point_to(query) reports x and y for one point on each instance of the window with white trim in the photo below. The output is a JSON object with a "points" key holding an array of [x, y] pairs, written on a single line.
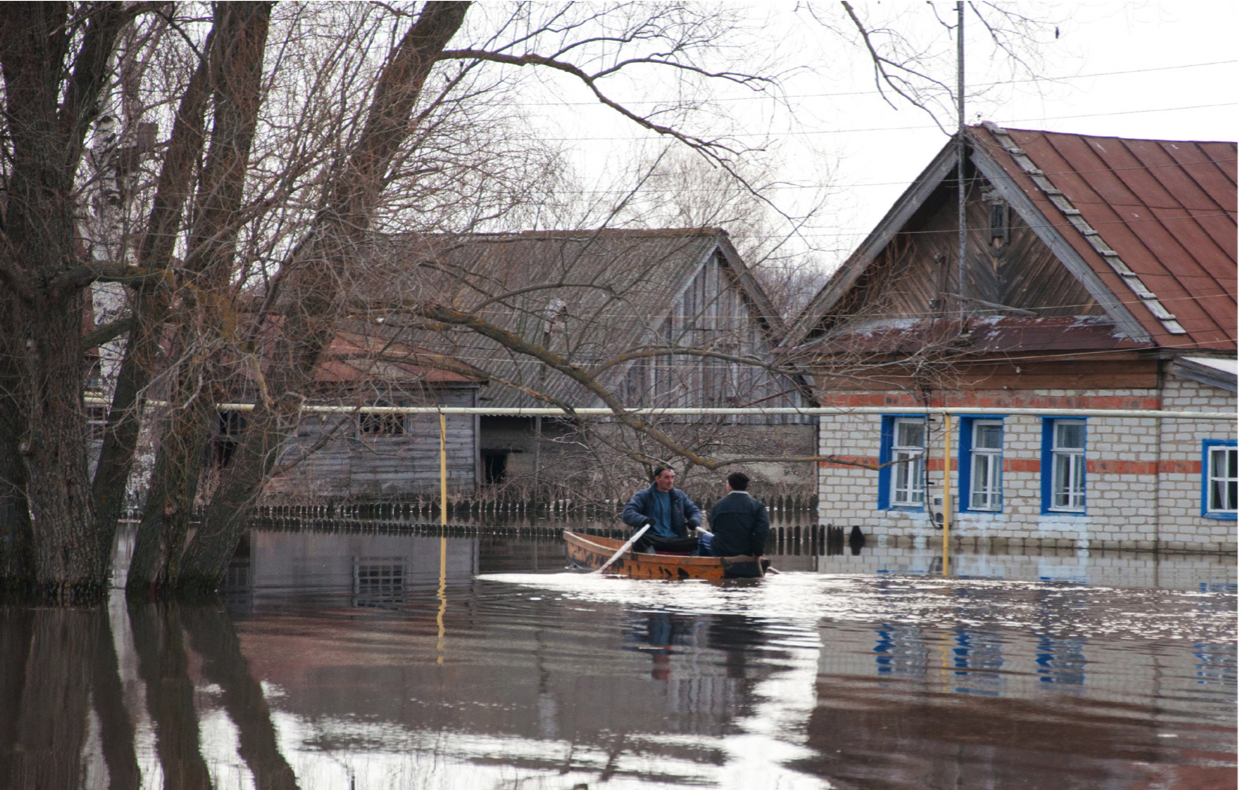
{"points": [[1221, 479], [908, 463], [985, 471], [1067, 466]]}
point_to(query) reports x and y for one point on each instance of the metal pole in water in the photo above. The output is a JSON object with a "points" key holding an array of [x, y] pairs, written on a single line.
{"points": [[442, 469], [442, 532], [946, 500]]}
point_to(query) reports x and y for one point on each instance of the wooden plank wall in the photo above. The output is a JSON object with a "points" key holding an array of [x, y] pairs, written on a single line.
{"points": [[367, 467], [711, 313], [919, 266]]}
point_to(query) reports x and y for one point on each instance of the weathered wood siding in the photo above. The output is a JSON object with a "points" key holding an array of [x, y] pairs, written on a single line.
{"points": [[712, 314], [354, 465], [911, 276]]}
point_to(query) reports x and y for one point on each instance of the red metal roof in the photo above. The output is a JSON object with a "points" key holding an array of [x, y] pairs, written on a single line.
{"points": [[1168, 208]]}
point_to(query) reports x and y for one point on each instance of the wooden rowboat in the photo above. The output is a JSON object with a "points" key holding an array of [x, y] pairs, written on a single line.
{"points": [[592, 551]]}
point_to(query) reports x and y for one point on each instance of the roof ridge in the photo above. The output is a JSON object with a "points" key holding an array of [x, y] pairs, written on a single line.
{"points": [[987, 124]]}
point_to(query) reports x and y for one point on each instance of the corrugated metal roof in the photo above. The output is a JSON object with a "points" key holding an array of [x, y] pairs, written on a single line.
{"points": [[1167, 210], [584, 295]]}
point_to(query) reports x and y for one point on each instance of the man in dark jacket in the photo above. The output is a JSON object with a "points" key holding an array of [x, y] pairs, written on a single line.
{"points": [[739, 521], [669, 511]]}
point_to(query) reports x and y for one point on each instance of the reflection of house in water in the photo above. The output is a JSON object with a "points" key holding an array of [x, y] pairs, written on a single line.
{"points": [[1098, 568], [904, 704], [509, 674], [375, 569]]}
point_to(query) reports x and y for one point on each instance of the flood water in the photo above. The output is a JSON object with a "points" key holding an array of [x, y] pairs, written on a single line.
{"points": [[362, 660]]}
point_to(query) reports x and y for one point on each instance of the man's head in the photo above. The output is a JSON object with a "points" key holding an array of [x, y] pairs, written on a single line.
{"points": [[738, 481], [664, 478]]}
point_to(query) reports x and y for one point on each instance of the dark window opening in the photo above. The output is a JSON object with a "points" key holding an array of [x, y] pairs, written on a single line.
{"points": [[999, 230], [229, 427], [378, 425], [494, 466]]}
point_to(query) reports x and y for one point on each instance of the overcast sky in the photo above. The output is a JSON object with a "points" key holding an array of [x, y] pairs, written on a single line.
{"points": [[1164, 70]]}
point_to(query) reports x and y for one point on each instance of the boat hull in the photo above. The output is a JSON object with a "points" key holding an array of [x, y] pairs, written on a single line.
{"points": [[591, 552]]}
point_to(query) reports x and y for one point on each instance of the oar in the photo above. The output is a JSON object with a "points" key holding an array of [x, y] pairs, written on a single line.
{"points": [[623, 549]]}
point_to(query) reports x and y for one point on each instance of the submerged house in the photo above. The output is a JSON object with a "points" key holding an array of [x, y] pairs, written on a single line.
{"points": [[1100, 273], [347, 454], [602, 318]]}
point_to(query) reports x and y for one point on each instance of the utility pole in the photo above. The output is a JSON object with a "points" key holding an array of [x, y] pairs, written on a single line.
{"points": [[963, 154]]}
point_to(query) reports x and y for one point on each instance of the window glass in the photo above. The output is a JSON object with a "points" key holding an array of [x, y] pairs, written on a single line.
{"points": [[1067, 487], [986, 471], [1069, 435], [1223, 479], [908, 456], [910, 434]]}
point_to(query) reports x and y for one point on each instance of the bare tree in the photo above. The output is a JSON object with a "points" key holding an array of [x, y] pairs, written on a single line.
{"points": [[297, 133]]}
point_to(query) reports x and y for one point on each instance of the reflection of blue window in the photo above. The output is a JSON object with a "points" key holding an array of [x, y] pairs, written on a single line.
{"points": [[1219, 479], [1216, 662], [901, 479], [980, 464], [901, 651], [1060, 661], [977, 658]]}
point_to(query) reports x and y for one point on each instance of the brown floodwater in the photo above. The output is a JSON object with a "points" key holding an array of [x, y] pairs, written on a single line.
{"points": [[340, 659]]}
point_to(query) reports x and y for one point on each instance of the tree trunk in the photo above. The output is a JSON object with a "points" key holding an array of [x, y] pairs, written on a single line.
{"points": [[169, 503], [314, 284], [69, 564], [16, 532], [43, 323], [236, 74], [150, 305]]}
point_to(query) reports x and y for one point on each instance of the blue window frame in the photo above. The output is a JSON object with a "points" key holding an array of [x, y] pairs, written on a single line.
{"points": [[980, 464], [1219, 479], [1064, 446], [901, 479]]}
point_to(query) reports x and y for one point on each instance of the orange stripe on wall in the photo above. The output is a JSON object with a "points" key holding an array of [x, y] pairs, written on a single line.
{"points": [[1179, 467], [1107, 467], [854, 459], [1021, 465], [994, 401], [1121, 467]]}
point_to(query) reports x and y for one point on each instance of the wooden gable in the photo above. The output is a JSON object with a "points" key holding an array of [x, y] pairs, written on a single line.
{"points": [[915, 276]]}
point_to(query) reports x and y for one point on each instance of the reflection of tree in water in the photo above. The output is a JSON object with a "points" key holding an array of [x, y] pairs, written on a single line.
{"points": [[59, 662], [44, 690], [164, 669], [213, 637]]}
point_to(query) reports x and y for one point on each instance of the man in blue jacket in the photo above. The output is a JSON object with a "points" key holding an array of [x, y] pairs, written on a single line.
{"points": [[739, 521], [669, 511]]}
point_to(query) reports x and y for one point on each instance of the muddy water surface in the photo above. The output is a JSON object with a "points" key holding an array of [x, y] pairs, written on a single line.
{"points": [[340, 660]]}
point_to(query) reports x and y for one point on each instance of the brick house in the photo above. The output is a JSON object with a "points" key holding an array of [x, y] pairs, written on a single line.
{"points": [[1100, 273]]}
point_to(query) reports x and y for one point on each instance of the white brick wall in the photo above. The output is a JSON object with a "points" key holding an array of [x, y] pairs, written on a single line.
{"points": [[1130, 504]]}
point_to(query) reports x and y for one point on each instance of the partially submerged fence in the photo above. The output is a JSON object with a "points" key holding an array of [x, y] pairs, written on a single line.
{"points": [[784, 539]]}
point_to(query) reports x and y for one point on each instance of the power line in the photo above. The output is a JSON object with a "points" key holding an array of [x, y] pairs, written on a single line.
{"points": [[921, 127], [1027, 80]]}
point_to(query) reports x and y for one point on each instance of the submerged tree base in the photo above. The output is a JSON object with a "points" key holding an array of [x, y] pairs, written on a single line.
{"points": [[64, 594]]}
